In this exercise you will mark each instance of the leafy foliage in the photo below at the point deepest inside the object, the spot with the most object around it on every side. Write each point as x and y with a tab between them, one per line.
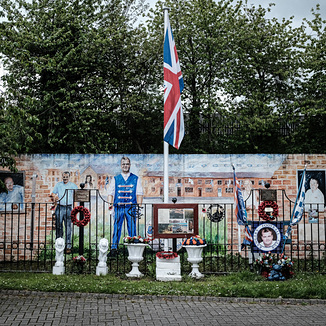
86	77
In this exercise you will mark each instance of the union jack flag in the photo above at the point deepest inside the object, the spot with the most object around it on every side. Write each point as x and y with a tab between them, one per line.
248	237
173	86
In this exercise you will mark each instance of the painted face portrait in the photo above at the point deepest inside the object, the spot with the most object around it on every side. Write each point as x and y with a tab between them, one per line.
267	237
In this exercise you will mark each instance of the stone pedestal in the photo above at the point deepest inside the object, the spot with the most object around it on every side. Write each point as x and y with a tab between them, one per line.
168	269
58	270
101	270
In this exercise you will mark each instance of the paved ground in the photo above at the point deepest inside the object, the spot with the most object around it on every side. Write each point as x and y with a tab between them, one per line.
39	308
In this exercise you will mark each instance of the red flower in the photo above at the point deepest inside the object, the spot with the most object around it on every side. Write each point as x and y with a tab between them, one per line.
166	255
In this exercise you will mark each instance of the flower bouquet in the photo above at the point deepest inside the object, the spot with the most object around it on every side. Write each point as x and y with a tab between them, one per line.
79	262
166	255
264	264
136	239
79	259
194	241
274	268
286	265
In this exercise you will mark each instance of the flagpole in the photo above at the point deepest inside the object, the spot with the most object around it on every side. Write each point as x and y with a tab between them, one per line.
239	229
166	173
166	145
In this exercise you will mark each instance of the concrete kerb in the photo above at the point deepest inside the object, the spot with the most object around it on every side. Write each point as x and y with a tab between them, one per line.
280	301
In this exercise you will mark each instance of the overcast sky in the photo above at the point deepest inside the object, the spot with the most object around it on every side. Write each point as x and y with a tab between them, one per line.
286	8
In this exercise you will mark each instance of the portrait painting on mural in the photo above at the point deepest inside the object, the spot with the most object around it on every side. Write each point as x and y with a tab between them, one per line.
13	197
314	194
267	236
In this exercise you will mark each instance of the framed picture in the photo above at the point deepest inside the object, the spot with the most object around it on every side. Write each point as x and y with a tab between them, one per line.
267	237
175	220
314	193
13	197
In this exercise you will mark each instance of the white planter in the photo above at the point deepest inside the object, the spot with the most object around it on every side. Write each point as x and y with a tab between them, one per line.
135	255
194	257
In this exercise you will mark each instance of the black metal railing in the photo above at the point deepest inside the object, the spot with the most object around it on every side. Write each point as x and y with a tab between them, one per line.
27	239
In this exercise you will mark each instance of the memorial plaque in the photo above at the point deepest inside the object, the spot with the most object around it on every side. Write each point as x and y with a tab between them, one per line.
268	195
81	195
175	220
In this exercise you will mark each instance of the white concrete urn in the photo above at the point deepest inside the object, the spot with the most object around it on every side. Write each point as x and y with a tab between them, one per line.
135	255
194	257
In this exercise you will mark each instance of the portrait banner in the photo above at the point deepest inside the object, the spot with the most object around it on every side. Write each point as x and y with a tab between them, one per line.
267	237
12	199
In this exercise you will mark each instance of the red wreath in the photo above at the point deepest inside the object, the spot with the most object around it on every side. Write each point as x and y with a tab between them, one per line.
83	222
166	255
261	210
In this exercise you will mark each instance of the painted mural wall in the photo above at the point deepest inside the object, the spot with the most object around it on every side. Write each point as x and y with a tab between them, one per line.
192	178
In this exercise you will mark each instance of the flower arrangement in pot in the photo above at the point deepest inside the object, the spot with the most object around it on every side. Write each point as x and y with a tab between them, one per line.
135	246
194	247
135	239
194	241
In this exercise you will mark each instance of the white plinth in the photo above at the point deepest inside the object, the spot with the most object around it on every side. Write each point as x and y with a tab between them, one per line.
58	270
168	269
101	270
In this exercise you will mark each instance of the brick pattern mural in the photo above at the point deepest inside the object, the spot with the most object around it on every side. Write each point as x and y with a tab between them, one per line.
202	179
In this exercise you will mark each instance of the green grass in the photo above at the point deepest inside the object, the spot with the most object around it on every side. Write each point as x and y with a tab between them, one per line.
242	284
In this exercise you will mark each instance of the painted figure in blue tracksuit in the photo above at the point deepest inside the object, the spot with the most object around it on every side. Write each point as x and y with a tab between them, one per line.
125	191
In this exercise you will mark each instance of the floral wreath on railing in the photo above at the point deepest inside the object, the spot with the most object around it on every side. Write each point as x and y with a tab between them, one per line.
166	255
261	210
83	222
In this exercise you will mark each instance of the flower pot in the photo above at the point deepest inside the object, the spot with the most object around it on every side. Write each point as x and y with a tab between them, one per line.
194	257
135	255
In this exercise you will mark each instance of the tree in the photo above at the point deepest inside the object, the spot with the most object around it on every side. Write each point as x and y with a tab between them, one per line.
77	67
13	132
241	74
201	30
86	78
310	134
264	70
